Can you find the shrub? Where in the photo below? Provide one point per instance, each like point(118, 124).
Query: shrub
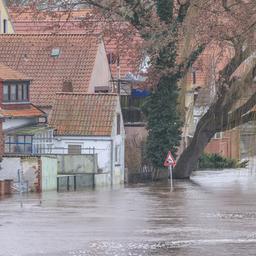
point(215, 161)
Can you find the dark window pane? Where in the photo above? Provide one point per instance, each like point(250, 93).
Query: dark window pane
point(5, 26)
point(6, 92)
point(28, 148)
point(74, 149)
point(13, 92)
point(20, 98)
point(194, 77)
point(118, 120)
point(25, 91)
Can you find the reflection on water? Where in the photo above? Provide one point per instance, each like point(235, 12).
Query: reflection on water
point(212, 214)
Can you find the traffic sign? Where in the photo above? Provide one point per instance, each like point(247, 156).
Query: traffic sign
point(169, 161)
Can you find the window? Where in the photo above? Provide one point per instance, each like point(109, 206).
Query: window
point(74, 150)
point(13, 92)
point(19, 92)
point(118, 124)
point(25, 91)
point(5, 26)
point(113, 58)
point(55, 52)
point(18, 144)
point(194, 76)
point(6, 92)
point(117, 154)
point(218, 135)
point(42, 142)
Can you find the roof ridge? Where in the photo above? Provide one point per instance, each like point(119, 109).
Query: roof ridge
point(51, 34)
point(84, 93)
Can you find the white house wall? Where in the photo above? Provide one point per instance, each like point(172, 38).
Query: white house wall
point(17, 122)
point(102, 148)
point(119, 140)
point(101, 74)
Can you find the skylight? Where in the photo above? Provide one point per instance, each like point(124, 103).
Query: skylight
point(55, 52)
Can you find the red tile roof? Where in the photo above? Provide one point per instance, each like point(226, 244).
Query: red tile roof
point(31, 55)
point(78, 22)
point(83, 114)
point(7, 73)
point(27, 111)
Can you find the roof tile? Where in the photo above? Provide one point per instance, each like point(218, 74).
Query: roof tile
point(78, 22)
point(83, 114)
point(7, 73)
point(27, 111)
point(31, 55)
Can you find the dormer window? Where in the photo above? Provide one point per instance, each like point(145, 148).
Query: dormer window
point(55, 52)
point(15, 91)
point(5, 26)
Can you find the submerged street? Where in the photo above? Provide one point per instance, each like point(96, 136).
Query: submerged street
point(212, 214)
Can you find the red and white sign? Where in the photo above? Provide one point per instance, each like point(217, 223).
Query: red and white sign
point(169, 161)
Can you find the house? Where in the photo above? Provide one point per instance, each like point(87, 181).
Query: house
point(122, 58)
point(56, 63)
point(24, 135)
point(18, 113)
point(6, 25)
point(86, 123)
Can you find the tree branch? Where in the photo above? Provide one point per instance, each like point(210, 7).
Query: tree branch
point(190, 60)
point(235, 62)
point(183, 10)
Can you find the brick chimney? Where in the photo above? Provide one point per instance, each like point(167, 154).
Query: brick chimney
point(67, 86)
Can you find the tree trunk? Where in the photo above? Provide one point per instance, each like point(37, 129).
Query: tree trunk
point(188, 160)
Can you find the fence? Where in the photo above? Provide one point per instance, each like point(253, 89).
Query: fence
point(73, 182)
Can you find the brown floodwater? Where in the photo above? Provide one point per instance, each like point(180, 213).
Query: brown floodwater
point(212, 214)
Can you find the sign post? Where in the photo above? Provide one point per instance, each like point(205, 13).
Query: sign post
point(170, 162)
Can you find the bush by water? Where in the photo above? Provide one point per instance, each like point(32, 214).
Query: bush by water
point(215, 161)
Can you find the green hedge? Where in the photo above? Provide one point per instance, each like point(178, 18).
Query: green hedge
point(215, 161)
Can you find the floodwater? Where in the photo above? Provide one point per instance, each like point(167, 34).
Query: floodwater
point(214, 214)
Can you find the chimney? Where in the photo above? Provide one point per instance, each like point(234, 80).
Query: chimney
point(67, 86)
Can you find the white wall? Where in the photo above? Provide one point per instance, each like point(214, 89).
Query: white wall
point(119, 140)
point(17, 122)
point(102, 147)
point(9, 168)
point(101, 74)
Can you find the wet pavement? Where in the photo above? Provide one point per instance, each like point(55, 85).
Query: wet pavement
point(213, 214)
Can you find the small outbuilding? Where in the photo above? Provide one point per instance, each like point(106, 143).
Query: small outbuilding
point(87, 124)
